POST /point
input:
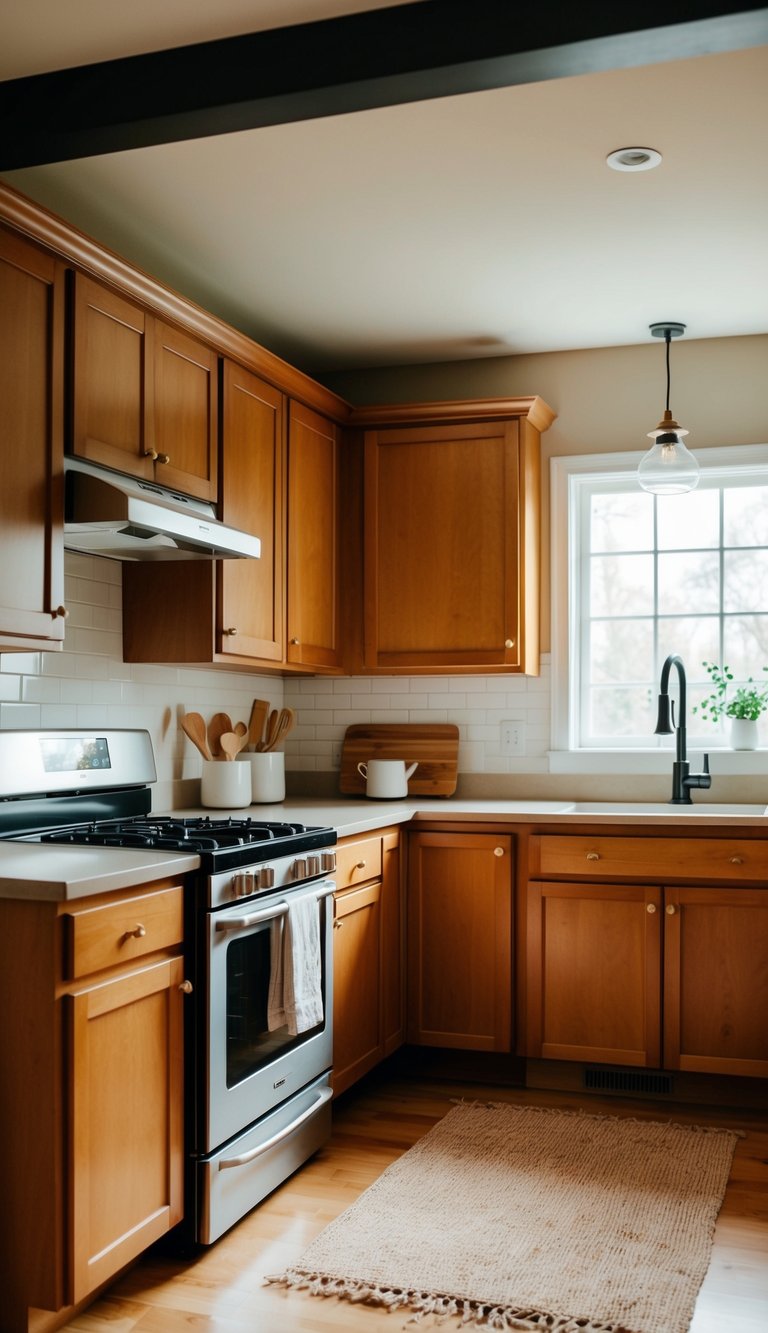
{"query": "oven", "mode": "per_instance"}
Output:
(257, 1083)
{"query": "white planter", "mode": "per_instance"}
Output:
(743, 734)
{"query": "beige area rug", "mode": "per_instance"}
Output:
(527, 1218)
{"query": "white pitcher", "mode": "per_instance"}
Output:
(386, 779)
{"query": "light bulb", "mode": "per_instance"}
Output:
(668, 468)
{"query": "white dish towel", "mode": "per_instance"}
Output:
(295, 982)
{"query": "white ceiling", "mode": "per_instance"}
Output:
(480, 225)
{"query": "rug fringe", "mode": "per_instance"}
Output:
(595, 1115)
(420, 1303)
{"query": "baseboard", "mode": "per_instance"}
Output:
(658, 1085)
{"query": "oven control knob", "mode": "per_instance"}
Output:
(313, 865)
(327, 862)
(300, 868)
(242, 884)
(265, 877)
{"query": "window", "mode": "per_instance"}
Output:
(637, 577)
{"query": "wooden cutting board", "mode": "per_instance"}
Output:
(434, 745)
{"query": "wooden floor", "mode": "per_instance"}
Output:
(224, 1288)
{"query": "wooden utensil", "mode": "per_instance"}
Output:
(240, 729)
(231, 744)
(269, 731)
(259, 711)
(279, 726)
(219, 723)
(193, 726)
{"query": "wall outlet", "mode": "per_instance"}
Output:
(513, 737)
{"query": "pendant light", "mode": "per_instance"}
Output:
(668, 468)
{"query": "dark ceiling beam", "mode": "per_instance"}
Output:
(408, 53)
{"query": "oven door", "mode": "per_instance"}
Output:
(250, 1069)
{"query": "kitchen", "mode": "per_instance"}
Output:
(76, 686)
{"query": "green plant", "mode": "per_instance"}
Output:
(748, 701)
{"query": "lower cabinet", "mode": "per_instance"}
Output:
(92, 1115)
(654, 974)
(367, 956)
(460, 940)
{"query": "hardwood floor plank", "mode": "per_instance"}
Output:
(223, 1290)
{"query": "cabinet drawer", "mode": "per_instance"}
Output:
(659, 859)
(118, 932)
(357, 862)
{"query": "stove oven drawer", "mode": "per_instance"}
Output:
(121, 931)
(357, 862)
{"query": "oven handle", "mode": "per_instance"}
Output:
(267, 914)
(324, 1095)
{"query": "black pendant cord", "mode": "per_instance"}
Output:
(667, 339)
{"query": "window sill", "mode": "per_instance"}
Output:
(636, 763)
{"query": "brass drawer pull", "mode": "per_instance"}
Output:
(232, 630)
(186, 987)
(671, 909)
(509, 643)
(163, 458)
(138, 932)
(651, 907)
(359, 865)
(337, 925)
(736, 860)
(61, 612)
(498, 851)
(151, 453)
(593, 856)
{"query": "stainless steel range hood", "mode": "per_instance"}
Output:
(124, 518)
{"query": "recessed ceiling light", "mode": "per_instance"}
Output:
(633, 159)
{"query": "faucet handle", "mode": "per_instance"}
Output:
(705, 763)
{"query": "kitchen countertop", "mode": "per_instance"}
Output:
(59, 873)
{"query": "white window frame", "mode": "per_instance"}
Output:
(567, 477)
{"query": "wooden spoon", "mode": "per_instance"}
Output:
(259, 711)
(231, 744)
(240, 729)
(219, 723)
(193, 726)
(270, 731)
(279, 726)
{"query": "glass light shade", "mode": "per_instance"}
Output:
(668, 468)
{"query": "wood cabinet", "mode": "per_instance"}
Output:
(459, 940)
(279, 482)
(32, 608)
(451, 544)
(367, 960)
(92, 1115)
(667, 968)
(144, 396)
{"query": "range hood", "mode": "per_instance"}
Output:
(125, 518)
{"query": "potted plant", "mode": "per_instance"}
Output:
(744, 707)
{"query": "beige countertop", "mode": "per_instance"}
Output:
(58, 873)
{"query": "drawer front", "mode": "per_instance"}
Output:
(119, 932)
(660, 859)
(358, 861)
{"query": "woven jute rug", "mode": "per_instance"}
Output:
(527, 1218)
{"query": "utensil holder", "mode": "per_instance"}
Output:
(267, 775)
(225, 785)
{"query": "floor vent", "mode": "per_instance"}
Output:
(627, 1080)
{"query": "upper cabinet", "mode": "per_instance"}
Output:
(451, 540)
(144, 393)
(279, 482)
(31, 457)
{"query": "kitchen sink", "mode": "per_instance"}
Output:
(661, 808)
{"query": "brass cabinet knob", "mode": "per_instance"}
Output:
(651, 907)
(163, 458)
(593, 856)
(151, 453)
(186, 987)
(359, 865)
(337, 925)
(509, 643)
(736, 860)
(138, 932)
(231, 630)
(671, 909)
(498, 851)
(297, 641)
(60, 613)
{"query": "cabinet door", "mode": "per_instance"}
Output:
(251, 592)
(451, 544)
(111, 392)
(716, 980)
(460, 941)
(312, 624)
(31, 456)
(125, 1129)
(182, 430)
(357, 1040)
(392, 998)
(594, 978)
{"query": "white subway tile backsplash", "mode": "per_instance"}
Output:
(89, 685)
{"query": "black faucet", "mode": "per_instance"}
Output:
(682, 779)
